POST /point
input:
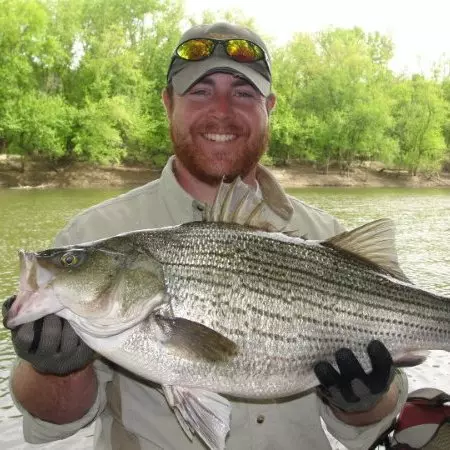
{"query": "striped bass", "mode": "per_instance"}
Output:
(230, 306)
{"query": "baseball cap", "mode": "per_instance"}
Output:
(183, 73)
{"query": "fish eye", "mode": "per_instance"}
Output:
(70, 259)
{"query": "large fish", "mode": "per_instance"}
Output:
(214, 307)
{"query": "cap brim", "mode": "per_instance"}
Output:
(194, 71)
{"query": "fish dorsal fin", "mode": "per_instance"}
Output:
(373, 243)
(239, 203)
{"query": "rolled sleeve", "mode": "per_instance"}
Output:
(37, 431)
(363, 437)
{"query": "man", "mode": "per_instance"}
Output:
(218, 102)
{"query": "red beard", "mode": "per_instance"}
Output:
(212, 166)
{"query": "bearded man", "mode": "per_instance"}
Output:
(218, 101)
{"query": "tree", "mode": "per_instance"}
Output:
(334, 84)
(22, 39)
(82, 80)
(38, 125)
(446, 125)
(100, 64)
(294, 125)
(420, 115)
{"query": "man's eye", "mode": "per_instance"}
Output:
(199, 92)
(244, 94)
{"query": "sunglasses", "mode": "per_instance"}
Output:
(240, 50)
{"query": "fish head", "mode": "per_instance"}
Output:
(102, 281)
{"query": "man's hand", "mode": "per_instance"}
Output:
(50, 344)
(352, 390)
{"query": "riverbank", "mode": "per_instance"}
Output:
(38, 175)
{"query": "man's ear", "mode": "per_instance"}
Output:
(271, 101)
(167, 100)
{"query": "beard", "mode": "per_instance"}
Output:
(211, 167)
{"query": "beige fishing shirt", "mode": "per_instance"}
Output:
(131, 414)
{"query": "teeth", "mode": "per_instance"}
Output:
(220, 137)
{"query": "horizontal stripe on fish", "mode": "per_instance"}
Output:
(403, 306)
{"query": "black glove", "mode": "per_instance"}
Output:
(50, 344)
(354, 390)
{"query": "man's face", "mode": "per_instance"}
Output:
(219, 127)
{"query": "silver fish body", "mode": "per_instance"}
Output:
(286, 303)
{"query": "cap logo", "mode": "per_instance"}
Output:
(221, 36)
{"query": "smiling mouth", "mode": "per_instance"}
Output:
(219, 137)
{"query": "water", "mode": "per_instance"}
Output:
(30, 219)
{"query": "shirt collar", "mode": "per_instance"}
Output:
(182, 205)
(179, 203)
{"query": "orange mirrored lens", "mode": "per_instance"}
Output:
(244, 51)
(238, 49)
(195, 49)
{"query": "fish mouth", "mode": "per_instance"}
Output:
(35, 298)
(32, 305)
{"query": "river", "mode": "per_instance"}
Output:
(30, 218)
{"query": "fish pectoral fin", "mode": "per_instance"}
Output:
(410, 359)
(196, 338)
(239, 203)
(202, 412)
(372, 243)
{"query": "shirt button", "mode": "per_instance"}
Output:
(260, 419)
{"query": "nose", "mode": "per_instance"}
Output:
(220, 105)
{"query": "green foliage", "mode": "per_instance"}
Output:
(338, 109)
(82, 80)
(420, 115)
(38, 125)
(446, 125)
(100, 127)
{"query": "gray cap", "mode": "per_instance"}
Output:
(183, 74)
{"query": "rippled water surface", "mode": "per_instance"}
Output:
(30, 219)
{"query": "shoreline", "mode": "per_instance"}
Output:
(39, 176)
